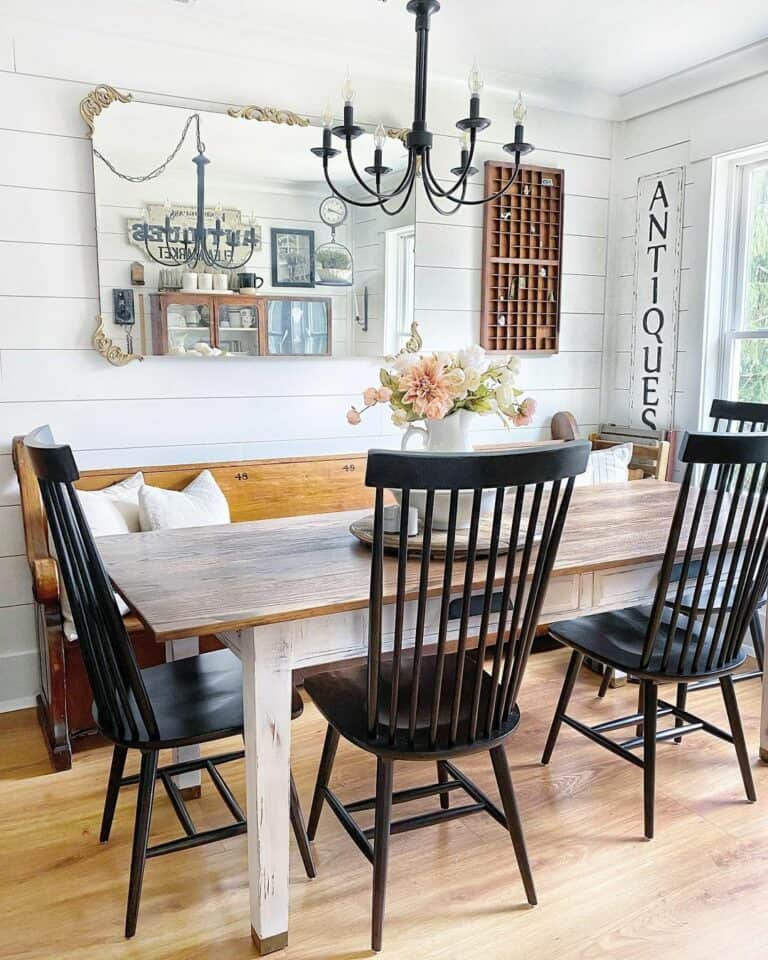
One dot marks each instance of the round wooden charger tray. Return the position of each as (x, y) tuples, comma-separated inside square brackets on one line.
[(363, 530)]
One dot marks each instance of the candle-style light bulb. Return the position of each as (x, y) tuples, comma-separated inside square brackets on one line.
[(475, 80), (380, 136), (327, 116), (520, 111), (464, 139), (348, 89)]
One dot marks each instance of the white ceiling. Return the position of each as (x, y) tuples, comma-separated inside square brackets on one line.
[(613, 46)]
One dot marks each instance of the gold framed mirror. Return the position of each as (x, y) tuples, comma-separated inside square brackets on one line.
[(260, 291)]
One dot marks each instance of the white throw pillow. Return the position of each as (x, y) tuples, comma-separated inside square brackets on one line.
[(109, 511), (200, 504), (607, 466), (114, 509)]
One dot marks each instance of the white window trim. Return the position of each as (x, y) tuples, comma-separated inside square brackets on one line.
[(726, 273), (395, 284)]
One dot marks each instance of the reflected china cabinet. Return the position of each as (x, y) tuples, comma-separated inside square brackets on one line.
[(241, 325)]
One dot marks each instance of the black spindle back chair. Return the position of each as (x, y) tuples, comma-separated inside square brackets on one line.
[(120, 696), (140, 708), (728, 416), (714, 572), (429, 696)]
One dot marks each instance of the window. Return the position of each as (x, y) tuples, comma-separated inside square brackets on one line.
[(745, 353), (400, 269)]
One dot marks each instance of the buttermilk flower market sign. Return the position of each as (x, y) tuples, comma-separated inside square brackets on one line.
[(658, 240), (152, 233)]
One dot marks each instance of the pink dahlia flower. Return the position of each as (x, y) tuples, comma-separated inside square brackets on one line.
[(427, 390)]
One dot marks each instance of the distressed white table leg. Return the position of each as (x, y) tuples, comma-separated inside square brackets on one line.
[(188, 783), (764, 714), (266, 654)]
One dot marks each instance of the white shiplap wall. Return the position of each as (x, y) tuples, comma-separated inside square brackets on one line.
[(688, 134), (157, 411)]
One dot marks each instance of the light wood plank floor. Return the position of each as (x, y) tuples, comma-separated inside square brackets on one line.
[(697, 891)]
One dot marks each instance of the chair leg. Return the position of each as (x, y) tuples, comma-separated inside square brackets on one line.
[(758, 642), (562, 705), (384, 781), (144, 800), (650, 708), (680, 702), (442, 777), (113, 789), (323, 776), (606, 681), (504, 783), (300, 832), (734, 718), (640, 707)]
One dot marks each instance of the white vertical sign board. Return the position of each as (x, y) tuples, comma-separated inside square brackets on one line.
[(658, 242)]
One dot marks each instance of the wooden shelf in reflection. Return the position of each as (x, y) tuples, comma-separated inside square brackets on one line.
[(302, 323)]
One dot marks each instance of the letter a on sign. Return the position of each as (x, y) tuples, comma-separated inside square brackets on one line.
[(658, 241)]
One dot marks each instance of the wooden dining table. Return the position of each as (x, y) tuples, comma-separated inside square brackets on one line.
[(293, 593)]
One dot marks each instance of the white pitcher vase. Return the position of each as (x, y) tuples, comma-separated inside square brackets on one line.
[(449, 435)]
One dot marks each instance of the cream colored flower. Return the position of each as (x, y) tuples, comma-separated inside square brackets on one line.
[(456, 380), (472, 358), (399, 418), (505, 396), (472, 378)]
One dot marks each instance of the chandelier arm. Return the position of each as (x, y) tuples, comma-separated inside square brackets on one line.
[(379, 196), (461, 182), (493, 196), (433, 202), (337, 193), (406, 201), (242, 263), (410, 172)]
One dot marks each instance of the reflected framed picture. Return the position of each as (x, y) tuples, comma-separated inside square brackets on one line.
[(293, 257)]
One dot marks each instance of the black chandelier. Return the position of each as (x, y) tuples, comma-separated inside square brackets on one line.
[(188, 246), (419, 140)]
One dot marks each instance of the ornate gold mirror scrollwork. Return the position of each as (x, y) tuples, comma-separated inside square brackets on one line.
[(109, 350)]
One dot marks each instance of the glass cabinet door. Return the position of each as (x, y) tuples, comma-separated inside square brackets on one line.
[(189, 324), (238, 329), (298, 326)]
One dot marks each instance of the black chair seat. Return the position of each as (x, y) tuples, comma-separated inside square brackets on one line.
[(341, 697), (617, 639), (687, 600), (195, 699)]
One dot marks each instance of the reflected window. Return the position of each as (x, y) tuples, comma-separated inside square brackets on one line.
[(400, 283), (297, 326)]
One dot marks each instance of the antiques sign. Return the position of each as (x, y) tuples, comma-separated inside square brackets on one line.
[(151, 232), (658, 240)]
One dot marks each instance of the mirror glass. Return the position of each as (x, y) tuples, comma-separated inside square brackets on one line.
[(292, 275)]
